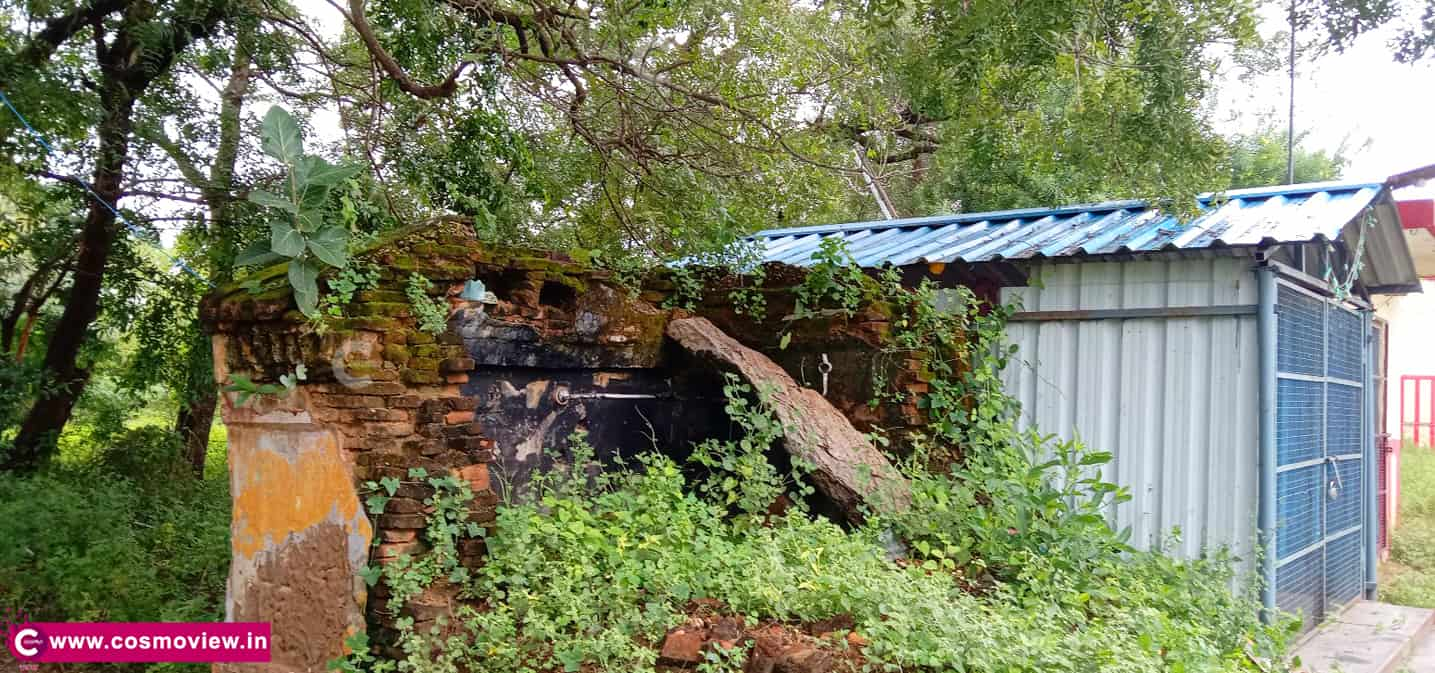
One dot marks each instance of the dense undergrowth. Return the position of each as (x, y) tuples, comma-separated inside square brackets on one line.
[(1408, 578), (116, 528), (1009, 563)]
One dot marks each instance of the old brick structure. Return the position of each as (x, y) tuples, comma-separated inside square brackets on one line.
[(557, 347)]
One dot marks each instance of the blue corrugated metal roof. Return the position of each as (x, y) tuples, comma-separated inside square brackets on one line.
[(1244, 217)]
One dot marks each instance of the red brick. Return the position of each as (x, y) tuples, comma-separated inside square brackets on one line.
[(377, 414), (405, 402), (353, 401), (404, 521), (390, 550), (457, 365), (389, 428), (385, 388), (461, 403), (382, 444), (465, 443), (398, 535), (476, 476), (683, 645), (472, 547), (403, 506), (456, 417)]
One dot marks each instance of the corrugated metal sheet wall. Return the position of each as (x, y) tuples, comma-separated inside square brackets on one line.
[(1174, 399)]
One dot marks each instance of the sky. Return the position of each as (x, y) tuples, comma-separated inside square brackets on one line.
[(1382, 111)]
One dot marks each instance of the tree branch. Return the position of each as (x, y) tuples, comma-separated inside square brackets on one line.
[(62, 28), (391, 67)]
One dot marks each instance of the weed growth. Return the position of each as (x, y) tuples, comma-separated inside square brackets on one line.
[(1012, 565)]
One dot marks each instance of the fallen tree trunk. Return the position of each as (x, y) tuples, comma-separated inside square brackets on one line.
[(846, 466)]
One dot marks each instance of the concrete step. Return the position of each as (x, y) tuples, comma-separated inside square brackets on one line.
[(1367, 637), (1422, 656)]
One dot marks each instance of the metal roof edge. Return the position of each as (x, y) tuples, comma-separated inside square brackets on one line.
[(1018, 213)]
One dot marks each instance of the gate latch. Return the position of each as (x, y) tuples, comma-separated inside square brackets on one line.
[(1334, 487)]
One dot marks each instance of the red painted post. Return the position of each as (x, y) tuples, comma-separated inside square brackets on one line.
[(1400, 429), (1415, 427)]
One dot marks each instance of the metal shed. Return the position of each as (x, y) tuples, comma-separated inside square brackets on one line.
[(1224, 361)]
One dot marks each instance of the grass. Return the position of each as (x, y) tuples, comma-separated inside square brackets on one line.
[(1408, 578)]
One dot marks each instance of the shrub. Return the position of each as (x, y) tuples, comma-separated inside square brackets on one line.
[(1012, 565), (595, 578), (127, 536), (148, 455)]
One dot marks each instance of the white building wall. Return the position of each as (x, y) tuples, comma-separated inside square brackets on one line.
[(1174, 399), (1411, 321)]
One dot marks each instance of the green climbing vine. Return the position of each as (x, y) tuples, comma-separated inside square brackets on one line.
[(430, 312)]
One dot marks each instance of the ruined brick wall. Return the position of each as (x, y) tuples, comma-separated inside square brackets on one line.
[(864, 365), (492, 400)]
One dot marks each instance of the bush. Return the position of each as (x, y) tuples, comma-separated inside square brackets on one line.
[(148, 455), (594, 579), (1012, 566), (127, 536), (1409, 579)]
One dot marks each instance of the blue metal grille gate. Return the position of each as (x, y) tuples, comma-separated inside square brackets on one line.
[(1320, 369)]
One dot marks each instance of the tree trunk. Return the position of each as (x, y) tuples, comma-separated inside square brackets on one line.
[(846, 466), (196, 417), (193, 425), (61, 369)]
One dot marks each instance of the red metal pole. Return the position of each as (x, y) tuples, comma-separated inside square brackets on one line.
[(1431, 431), (1400, 431), (1415, 427)]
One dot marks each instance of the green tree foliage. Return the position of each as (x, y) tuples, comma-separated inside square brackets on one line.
[(1259, 159), (1335, 24), (643, 132)]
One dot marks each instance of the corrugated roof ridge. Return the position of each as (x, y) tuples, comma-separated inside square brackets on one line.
[(1038, 212)]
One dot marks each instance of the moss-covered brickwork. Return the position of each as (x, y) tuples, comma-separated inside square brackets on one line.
[(559, 346)]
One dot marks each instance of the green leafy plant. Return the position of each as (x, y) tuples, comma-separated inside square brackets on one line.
[(347, 282), (247, 388), (748, 298), (687, 288), (833, 283), (299, 231), (447, 524), (740, 475), (431, 312)]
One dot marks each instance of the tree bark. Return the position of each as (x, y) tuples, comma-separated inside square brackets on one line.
[(193, 425), (846, 466), (196, 415), (65, 377)]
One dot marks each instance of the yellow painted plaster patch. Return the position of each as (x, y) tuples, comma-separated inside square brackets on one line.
[(286, 481)]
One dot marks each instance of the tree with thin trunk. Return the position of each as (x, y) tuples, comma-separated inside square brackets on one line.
[(131, 45), (221, 195)]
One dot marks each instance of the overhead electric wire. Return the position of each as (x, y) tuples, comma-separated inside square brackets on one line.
[(130, 226)]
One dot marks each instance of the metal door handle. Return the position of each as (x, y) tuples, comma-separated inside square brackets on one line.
[(1335, 486)]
